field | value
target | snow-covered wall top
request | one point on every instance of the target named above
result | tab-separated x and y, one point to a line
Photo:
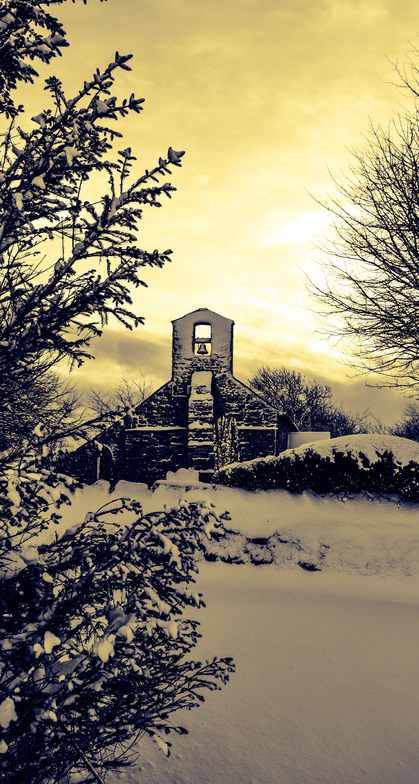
213	353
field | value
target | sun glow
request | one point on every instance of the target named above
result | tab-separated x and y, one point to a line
307	226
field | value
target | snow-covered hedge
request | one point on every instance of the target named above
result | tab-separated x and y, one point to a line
374	463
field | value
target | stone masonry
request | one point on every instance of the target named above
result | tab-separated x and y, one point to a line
202	418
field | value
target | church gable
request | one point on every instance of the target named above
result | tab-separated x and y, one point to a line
164	408
203	418
202	341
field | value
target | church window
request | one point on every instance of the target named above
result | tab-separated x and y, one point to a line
202	340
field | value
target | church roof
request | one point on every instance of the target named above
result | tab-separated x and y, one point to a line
203	311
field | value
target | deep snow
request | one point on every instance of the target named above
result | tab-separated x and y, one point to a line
325	690
361	535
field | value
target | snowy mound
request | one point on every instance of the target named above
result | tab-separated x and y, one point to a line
371	446
183	476
365	534
357	463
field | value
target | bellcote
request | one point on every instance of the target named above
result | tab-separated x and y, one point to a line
202	341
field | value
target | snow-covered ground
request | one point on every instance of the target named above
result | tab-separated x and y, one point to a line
326	686
325	690
361	535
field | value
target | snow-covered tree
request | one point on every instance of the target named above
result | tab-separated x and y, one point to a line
28	34
50	399
92	641
67	264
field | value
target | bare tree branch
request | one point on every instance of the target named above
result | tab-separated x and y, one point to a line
370	289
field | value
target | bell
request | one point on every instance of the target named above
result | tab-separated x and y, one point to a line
202	349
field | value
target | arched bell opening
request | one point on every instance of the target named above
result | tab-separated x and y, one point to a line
202	340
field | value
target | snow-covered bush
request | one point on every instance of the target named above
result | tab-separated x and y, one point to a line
93	642
374	463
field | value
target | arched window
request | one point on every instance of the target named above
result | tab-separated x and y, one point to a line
202	340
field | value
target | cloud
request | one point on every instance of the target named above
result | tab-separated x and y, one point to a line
308	225
265	97
121	354
351	392
344	12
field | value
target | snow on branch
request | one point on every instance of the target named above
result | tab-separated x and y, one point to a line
94	632
50	311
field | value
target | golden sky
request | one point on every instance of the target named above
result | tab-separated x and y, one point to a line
265	96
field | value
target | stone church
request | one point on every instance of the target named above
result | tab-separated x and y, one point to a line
203	418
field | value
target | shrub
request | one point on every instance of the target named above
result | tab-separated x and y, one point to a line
374	463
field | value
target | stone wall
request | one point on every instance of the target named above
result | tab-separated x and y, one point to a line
256	442
171	431
233	397
185	361
97	459
165	408
155	438
261	430
176	426
201	423
151	452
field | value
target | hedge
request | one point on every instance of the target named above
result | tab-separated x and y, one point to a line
341	467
